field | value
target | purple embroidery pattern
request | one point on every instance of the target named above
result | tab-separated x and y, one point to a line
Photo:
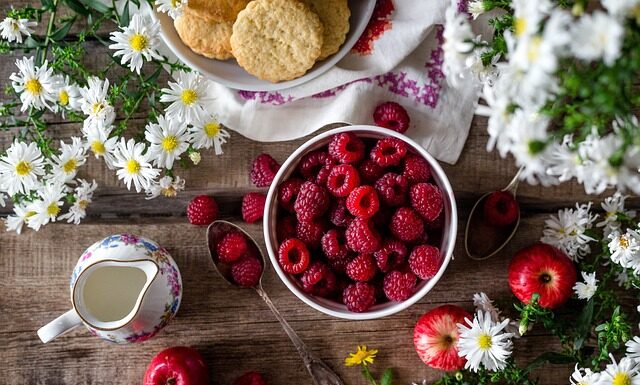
275	98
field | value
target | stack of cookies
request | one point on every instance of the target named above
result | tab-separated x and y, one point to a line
274	40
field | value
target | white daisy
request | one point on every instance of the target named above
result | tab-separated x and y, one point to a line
499	111
613	206
47	208
94	101
625	248
622	278
168	139
18	219
596	36
65	165
188	96
13	29
34	84
567	231
597	173
483	342
136	42
528	15
82	197
482	303
21	167
458	44
476	8
173	8
207	132
623	373
633	348
67	94
563	160
2	199
586	289
98	140
134	165
195	157
583	376
621	8
166	186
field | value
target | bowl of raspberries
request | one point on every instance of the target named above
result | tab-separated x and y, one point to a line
360	222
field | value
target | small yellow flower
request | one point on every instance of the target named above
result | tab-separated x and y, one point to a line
361	357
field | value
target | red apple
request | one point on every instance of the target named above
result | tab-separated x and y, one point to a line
436	337
179	365
545	270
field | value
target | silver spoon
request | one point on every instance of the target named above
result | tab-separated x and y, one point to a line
319	371
484	233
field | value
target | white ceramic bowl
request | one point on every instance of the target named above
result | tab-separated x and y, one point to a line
230	74
449	230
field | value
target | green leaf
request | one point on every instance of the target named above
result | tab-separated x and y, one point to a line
77	7
124	16
583	324
387	377
97	5
61	32
550	357
47	4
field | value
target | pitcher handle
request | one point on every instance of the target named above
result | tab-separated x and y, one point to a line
65	323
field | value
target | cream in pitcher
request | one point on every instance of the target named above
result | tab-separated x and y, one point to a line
124	288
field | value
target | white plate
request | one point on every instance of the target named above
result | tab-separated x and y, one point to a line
230	74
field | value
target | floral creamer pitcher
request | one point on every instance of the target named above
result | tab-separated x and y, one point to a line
124	288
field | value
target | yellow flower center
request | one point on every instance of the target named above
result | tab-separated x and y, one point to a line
624	242
169	192
15	26
53	209
70	166
174	3
63	97
520	25
189	97
169	143
138	42
29	214
534	49
484	341
212	129
98	147
133	167
33	86
83	203
23	168
621	378
97	107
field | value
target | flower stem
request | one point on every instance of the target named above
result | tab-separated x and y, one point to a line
367	374
47	38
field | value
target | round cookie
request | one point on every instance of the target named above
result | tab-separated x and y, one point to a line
217	11
204	37
334	15
277	40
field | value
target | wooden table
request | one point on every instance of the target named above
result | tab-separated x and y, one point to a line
233	328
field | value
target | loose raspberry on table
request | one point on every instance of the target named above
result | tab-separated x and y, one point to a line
247	271
393	116
311	164
312	201
363	202
286	228
342	179
288	192
250	378
362	268
253	206
426	199
202	210
406	224
392	189
392	254
362	237
231	247
416	169
263	170
334	244
359	297
424	261
293	256
399	286
338	213
500	209
388	152
311	232
319	280
346	148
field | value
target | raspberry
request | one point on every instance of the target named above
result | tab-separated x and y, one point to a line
393	116
370	171
500	209
338	214
202	210
406	224
363	202
250	378
339	265
342	180
333	244
388	152
263	170
323	173
392	254
399	286
392	189
437	224
312	202
293	256
246	272
362	237
359	297
426	199
346	148
319	280
231	247
362	268
416	169
288	192
311	164
424	261
310	232
286	228
253	206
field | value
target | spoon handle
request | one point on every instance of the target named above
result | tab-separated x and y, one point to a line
319	371
512	187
